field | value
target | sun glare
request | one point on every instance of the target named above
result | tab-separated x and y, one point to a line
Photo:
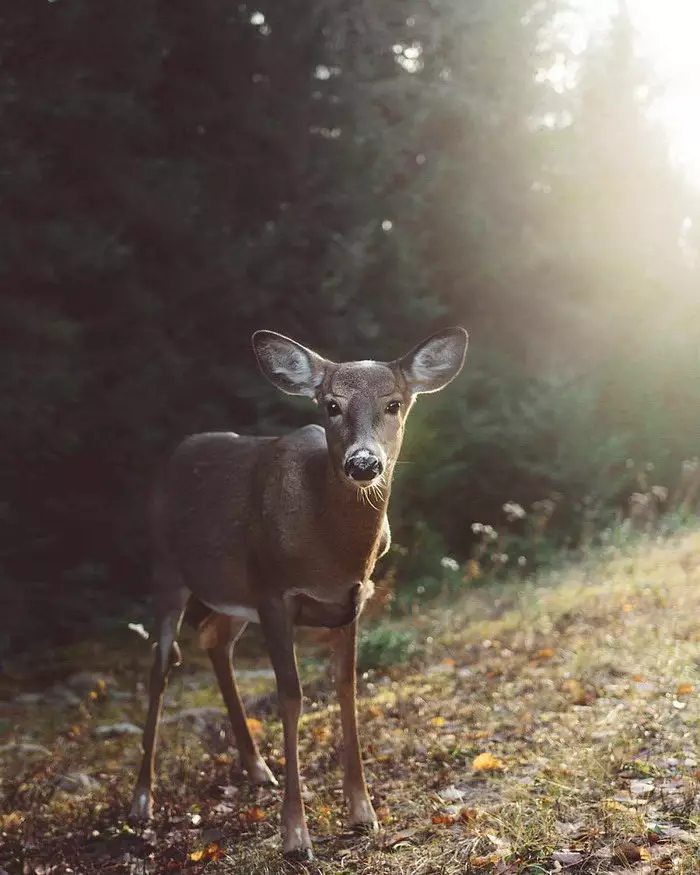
668	33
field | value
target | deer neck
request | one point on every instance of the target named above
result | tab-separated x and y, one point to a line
355	520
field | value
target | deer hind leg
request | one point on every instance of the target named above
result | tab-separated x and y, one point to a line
278	628
361	813
218	635
166	654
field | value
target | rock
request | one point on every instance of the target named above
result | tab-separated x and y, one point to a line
85	681
77	782
197	717
24	747
451	794
108	730
28	698
61	695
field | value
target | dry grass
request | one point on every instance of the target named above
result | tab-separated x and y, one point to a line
581	688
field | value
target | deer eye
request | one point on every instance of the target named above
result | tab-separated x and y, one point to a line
333	408
393	407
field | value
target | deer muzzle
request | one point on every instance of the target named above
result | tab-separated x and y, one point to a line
363	467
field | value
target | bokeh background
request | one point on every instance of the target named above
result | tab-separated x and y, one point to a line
174	176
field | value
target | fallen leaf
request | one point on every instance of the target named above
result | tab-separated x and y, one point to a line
402	837
374	711
255	815
481	862
443	819
684	689
579	694
205	855
437	721
451	794
255	727
486	762
320	734
448	661
545	653
641	788
626	852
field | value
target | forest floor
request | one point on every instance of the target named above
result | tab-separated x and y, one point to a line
551	727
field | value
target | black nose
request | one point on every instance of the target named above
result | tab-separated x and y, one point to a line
363	467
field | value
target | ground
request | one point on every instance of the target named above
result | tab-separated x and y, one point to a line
549	726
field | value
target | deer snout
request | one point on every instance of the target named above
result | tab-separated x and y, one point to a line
363	466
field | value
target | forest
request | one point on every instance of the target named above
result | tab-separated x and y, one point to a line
355	176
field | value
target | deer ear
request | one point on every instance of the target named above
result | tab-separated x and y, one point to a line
287	364
431	365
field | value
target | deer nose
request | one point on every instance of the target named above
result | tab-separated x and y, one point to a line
363	466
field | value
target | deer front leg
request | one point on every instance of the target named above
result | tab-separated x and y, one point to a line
278	628
218	635
361	813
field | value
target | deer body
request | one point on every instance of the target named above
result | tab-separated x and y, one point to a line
285	532
232	511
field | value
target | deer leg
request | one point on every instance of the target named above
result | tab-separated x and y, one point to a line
220	653
278	629
166	654
361	813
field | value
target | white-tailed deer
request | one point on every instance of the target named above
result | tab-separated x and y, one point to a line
283	532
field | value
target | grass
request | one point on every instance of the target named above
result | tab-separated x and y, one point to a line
550	726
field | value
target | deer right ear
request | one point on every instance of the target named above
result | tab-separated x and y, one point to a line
288	365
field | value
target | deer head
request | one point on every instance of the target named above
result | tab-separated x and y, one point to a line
364	403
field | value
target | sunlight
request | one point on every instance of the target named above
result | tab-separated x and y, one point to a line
667	31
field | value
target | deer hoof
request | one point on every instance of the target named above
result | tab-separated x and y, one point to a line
261	776
365	828
299	855
141	807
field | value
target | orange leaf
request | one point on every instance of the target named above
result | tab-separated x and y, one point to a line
255	727
320	734
448	661
437	721
627	608
211	852
481	862
255	815
373	711
545	653
486	762
443	819
684	689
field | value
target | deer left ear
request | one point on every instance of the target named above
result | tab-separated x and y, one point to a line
287	364
433	364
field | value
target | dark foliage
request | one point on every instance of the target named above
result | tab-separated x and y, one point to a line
177	175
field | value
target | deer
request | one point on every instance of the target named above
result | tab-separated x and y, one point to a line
285	532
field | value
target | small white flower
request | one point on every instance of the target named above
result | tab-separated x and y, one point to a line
522	561
449	563
477	527
513	511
